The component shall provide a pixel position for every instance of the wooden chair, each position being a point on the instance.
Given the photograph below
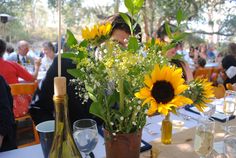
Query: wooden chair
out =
(214, 75)
(219, 91)
(25, 89)
(203, 73)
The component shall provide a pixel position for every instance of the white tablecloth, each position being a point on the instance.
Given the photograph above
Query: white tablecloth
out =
(153, 126)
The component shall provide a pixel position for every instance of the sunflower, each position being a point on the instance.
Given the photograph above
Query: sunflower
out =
(97, 31)
(163, 90)
(201, 92)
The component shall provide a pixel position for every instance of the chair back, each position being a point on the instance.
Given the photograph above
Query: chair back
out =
(22, 93)
(203, 73)
(23, 88)
(219, 91)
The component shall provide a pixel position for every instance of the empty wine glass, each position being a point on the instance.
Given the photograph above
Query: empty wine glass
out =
(204, 138)
(229, 105)
(85, 134)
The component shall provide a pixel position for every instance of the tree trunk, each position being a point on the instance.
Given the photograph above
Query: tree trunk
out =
(117, 5)
(145, 19)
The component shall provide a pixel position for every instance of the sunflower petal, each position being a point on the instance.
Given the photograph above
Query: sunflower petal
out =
(148, 81)
(143, 93)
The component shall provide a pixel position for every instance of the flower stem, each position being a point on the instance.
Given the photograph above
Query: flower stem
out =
(121, 92)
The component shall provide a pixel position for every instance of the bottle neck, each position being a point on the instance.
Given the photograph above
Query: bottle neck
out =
(167, 117)
(61, 110)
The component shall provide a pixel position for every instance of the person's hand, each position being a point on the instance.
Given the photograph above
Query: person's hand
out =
(37, 63)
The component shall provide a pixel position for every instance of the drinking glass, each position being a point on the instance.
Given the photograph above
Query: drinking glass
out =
(230, 142)
(85, 134)
(229, 105)
(204, 137)
(209, 110)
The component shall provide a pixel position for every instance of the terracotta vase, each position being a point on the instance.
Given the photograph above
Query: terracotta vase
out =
(166, 130)
(122, 145)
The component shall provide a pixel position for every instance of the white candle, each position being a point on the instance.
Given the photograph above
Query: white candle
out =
(59, 38)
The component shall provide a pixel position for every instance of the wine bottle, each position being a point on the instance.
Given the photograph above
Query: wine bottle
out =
(63, 145)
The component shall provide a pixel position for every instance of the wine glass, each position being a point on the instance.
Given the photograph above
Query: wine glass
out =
(85, 134)
(229, 105)
(230, 142)
(204, 137)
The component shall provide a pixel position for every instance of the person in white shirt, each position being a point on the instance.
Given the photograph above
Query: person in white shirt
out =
(22, 57)
(48, 51)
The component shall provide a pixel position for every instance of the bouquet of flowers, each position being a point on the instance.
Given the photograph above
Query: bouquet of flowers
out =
(128, 83)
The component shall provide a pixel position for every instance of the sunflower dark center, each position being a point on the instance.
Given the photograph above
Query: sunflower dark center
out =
(163, 92)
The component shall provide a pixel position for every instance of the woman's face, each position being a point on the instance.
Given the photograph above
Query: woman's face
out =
(47, 51)
(121, 37)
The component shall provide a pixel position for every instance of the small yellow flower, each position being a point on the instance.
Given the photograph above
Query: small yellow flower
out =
(163, 90)
(159, 42)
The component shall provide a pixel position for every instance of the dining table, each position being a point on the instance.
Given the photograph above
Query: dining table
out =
(182, 139)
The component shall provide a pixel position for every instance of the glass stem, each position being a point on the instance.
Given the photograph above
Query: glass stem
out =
(227, 123)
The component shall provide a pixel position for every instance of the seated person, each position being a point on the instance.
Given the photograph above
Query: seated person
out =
(48, 51)
(187, 73)
(201, 63)
(42, 109)
(229, 66)
(12, 71)
(21, 56)
(8, 52)
(7, 121)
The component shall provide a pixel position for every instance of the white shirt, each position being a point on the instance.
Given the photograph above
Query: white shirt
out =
(46, 63)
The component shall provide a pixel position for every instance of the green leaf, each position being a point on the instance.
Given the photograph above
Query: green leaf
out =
(68, 55)
(179, 16)
(180, 36)
(96, 108)
(84, 43)
(168, 31)
(71, 40)
(92, 97)
(137, 5)
(88, 88)
(129, 5)
(127, 21)
(133, 44)
(75, 72)
(153, 41)
(112, 99)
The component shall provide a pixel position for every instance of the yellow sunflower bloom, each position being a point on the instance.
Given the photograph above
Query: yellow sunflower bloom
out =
(206, 94)
(96, 32)
(163, 90)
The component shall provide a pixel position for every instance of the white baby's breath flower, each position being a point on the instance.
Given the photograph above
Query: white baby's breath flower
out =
(121, 118)
(134, 123)
(138, 107)
(111, 123)
(114, 134)
(139, 102)
(130, 108)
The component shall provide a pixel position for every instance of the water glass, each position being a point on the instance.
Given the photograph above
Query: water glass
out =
(209, 110)
(229, 105)
(85, 134)
(230, 142)
(204, 137)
